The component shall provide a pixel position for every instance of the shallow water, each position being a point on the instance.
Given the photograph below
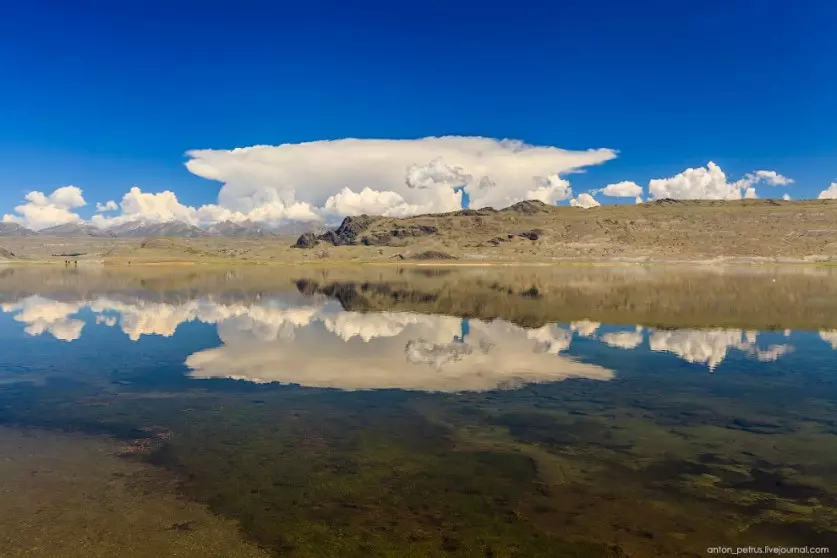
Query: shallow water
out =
(483, 412)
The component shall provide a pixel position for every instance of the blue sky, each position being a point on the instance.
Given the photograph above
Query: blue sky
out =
(106, 95)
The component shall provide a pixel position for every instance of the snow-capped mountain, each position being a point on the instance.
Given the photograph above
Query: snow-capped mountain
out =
(74, 230)
(245, 228)
(144, 229)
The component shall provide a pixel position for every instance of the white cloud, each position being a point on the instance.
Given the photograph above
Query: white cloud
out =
(421, 173)
(710, 183)
(829, 193)
(584, 200)
(41, 211)
(438, 173)
(139, 205)
(624, 189)
(786, 197)
(109, 205)
(327, 180)
(548, 189)
(769, 177)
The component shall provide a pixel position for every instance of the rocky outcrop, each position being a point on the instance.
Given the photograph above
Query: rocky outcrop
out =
(306, 240)
(351, 232)
(432, 255)
(399, 231)
(528, 207)
(5, 254)
(534, 234)
(345, 235)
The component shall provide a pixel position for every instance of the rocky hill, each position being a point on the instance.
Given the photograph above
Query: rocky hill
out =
(666, 229)
(13, 229)
(530, 231)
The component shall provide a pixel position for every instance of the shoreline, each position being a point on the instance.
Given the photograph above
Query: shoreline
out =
(464, 262)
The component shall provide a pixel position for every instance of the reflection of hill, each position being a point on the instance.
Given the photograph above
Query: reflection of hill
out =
(799, 298)
(654, 297)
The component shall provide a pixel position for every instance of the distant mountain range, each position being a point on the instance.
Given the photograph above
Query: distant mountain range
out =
(144, 229)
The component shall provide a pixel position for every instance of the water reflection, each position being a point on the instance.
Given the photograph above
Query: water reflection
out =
(467, 412)
(710, 347)
(390, 350)
(313, 341)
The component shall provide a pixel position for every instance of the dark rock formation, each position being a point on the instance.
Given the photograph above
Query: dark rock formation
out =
(534, 234)
(414, 230)
(399, 231)
(528, 207)
(498, 239)
(350, 229)
(306, 240)
(350, 232)
(432, 255)
(667, 201)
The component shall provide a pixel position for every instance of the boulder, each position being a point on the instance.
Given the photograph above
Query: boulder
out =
(534, 234)
(306, 240)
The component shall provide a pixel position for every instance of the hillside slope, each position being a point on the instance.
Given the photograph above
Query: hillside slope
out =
(665, 229)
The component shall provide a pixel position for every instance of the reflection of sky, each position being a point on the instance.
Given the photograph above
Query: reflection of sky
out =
(316, 342)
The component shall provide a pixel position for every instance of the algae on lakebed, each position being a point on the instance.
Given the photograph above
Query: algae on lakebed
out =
(574, 469)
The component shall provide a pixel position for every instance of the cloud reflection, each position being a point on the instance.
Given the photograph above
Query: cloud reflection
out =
(314, 342)
(710, 347)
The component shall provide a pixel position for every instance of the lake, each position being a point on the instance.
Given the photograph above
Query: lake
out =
(417, 411)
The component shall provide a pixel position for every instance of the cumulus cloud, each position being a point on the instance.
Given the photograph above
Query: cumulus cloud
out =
(584, 200)
(109, 205)
(436, 173)
(710, 183)
(137, 204)
(769, 177)
(41, 211)
(786, 197)
(328, 180)
(548, 189)
(421, 173)
(829, 193)
(624, 189)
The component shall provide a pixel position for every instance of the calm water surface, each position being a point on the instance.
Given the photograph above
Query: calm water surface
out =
(582, 412)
